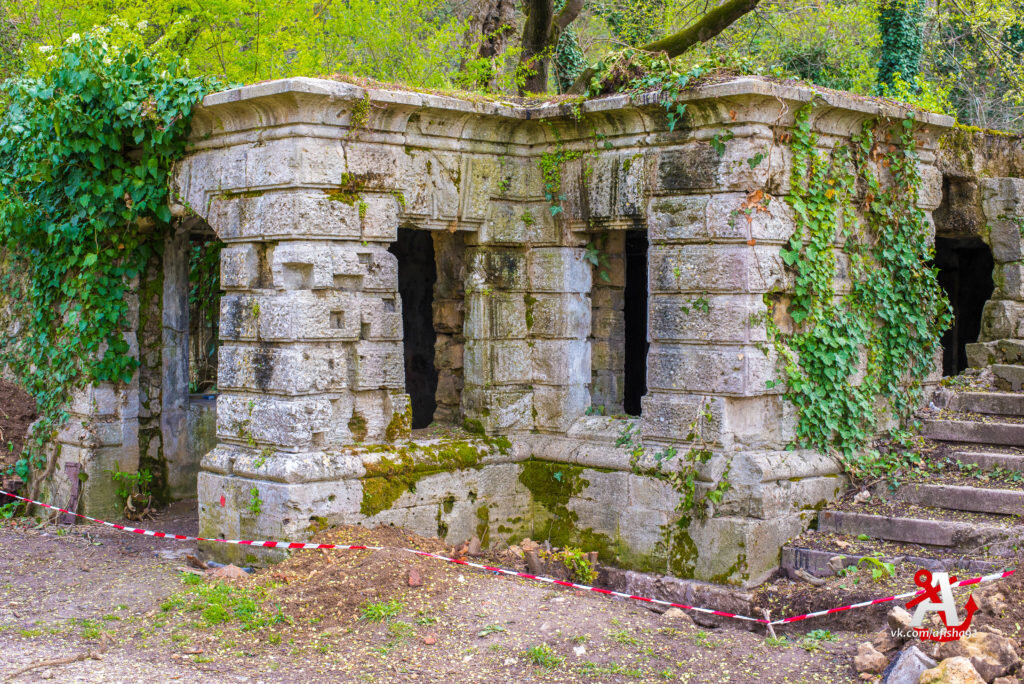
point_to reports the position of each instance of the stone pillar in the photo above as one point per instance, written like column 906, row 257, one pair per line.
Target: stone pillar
column 608, row 326
column 311, row 359
column 559, row 324
column 101, row 436
column 181, row 469
column 449, row 313
column 1003, row 316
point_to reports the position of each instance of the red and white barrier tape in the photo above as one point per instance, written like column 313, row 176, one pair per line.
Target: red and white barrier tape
column 503, row 571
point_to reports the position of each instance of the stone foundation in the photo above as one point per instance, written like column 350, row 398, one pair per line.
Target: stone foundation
column 308, row 182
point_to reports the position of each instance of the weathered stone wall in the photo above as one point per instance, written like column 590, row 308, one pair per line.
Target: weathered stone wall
column 983, row 176
column 307, row 182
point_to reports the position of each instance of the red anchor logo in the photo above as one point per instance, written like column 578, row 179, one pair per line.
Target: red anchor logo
column 923, row 579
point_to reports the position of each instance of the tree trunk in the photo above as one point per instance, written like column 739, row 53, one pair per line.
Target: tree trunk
column 536, row 35
column 497, row 24
column 703, row 30
column 540, row 35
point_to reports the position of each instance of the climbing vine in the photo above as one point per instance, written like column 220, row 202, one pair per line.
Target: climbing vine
column 847, row 351
column 86, row 149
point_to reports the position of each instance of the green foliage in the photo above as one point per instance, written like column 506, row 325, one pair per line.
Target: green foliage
column 575, row 560
column 129, row 484
column 86, row 148
column 543, row 656
column 879, row 568
column 889, row 324
column 382, row 611
column 900, row 24
column 218, row 604
column 255, row 502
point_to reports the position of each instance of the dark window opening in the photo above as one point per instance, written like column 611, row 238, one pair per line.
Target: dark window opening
column 204, row 295
column 635, row 318
column 417, row 273
column 965, row 273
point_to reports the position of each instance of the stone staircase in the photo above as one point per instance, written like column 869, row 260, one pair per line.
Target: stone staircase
column 968, row 517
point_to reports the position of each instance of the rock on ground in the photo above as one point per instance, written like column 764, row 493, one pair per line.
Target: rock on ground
column 952, row 671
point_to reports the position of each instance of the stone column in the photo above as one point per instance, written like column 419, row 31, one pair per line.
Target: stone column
column 181, row 470
column 101, row 436
column 1003, row 208
column 311, row 358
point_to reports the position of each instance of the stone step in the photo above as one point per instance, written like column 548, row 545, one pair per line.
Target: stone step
column 953, row 534
column 816, row 561
column 977, row 432
column 1010, row 373
column 958, row 497
column 989, row 403
column 988, row 460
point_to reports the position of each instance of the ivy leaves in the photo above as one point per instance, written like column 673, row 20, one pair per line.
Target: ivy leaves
column 854, row 354
column 85, row 153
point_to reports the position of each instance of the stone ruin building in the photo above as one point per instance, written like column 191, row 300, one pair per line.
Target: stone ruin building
column 392, row 260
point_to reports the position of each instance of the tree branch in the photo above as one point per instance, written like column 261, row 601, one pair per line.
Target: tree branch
column 703, row 30
column 706, row 28
column 571, row 10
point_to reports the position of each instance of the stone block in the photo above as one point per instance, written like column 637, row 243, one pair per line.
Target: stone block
column 269, row 215
column 668, row 417
column 609, row 354
column 706, row 318
column 1006, row 240
column 764, row 422
column 497, row 362
column 378, row 365
column 294, row 369
column 557, row 407
column 748, row 163
column 742, row 551
column 449, row 315
column 678, row 219
column 448, row 353
column 494, row 268
column 557, row 315
column 286, row 422
column 561, row 362
column 703, row 268
column 378, row 216
column 498, row 410
column 929, row 192
column 720, row 370
column 380, row 317
column 1009, row 281
column 517, row 223
column 1002, row 197
column 495, row 316
column 608, row 324
column 239, row 267
column 1001, row 318
column 558, row 269
column 733, row 216
column 301, row 266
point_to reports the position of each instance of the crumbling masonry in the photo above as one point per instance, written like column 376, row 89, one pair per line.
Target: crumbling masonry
column 555, row 232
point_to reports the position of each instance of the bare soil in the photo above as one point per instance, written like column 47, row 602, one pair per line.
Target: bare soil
column 17, row 412
column 88, row 589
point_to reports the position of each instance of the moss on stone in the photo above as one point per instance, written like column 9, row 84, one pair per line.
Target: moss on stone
column 483, row 526
column 529, row 301
column 357, row 426
column 400, row 424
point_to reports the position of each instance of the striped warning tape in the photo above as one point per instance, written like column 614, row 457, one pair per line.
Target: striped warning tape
column 503, row 571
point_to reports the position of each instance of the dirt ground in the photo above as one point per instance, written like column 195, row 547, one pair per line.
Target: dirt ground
column 341, row 616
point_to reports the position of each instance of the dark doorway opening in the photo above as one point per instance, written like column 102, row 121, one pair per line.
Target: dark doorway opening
column 635, row 319
column 417, row 273
column 965, row 273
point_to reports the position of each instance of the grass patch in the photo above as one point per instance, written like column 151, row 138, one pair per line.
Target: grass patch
column 543, row 656
column 382, row 611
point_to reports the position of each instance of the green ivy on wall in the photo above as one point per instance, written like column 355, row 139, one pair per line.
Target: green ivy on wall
column 854, row 356
column 86, row 149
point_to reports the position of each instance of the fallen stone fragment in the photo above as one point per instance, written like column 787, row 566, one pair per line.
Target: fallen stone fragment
column 952, row 671
column 1005, row 680
column 868, row 659
column 415, row 580
column 884, row 641
column 677, row 614
column 907, row 667
column 899, row 621
column 228, row 572
column 809, row 578
column 991, row 655
column 430, row 640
